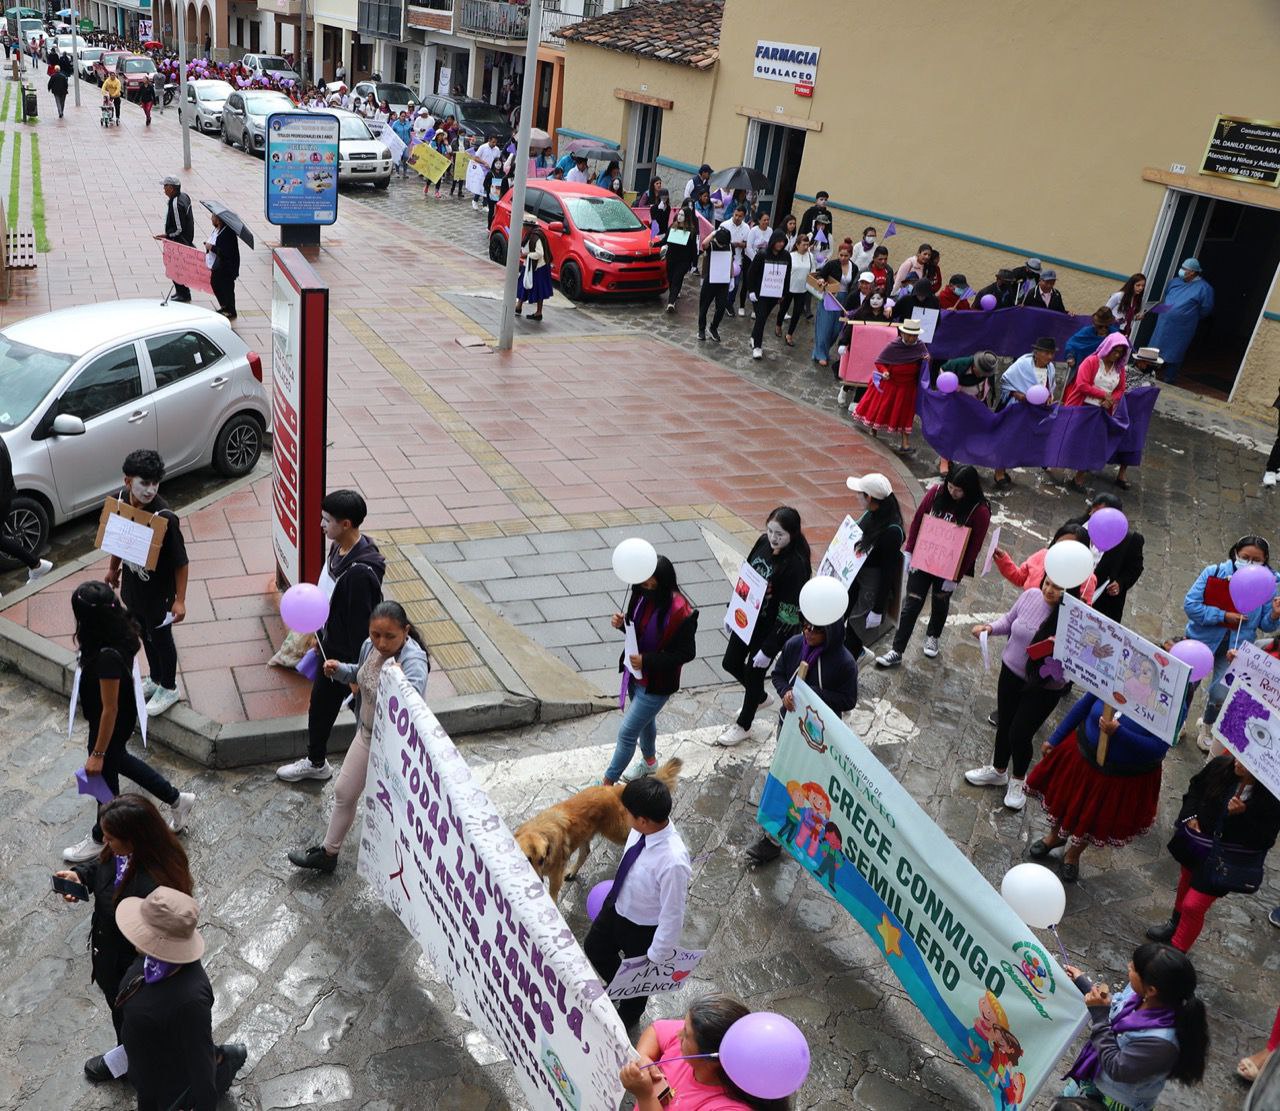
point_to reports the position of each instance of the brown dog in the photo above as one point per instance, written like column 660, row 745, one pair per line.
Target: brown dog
column 550, row 838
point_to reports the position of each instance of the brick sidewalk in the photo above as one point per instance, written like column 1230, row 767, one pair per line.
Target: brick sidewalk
column 447, row 443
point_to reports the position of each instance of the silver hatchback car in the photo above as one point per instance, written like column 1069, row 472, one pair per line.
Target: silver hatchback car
column 80, row 388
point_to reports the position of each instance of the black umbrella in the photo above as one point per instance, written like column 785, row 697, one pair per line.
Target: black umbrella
column 223, row 213
column 738, row 177
column 593, row 151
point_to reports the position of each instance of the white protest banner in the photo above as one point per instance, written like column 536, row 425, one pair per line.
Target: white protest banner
column 843, row 561
column 928, row 322
column 127, row 540
column 744, row 607
column 992, row 993
column 440, row 856
column 1249, row 721
column 773, row 280
column 641, row 976
column 719, row 267
column 1122, row 669
column 476, row 170
column 389, row 139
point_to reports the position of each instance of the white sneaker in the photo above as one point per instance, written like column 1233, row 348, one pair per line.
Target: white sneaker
column 162, row 700
column 742, row 312
column 475, row 206
column 671, row 308
column 842, row 398
column 149, row 687
column 1015, row 798
column 82, row 851
column 45, row 566
column 182, row 811
column 757, row 352
column 891, row 658
column 304, row 769
column 734, row 735
column 986, row 776
column 1269, row 479
column 640, row 767
column 930, row 648
column 1204, row 737
column 853, row 407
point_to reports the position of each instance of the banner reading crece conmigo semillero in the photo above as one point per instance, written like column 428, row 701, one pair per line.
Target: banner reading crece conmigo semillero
column 990, row 990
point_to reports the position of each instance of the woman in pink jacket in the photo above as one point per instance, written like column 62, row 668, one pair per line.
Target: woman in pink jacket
column 1100, row 381
column 1030, row 573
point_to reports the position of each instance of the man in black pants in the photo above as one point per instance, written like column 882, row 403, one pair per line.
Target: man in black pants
column 179, row 225
column 10, row 545
column 352, row 577
column 158, row 598
column 643, row 914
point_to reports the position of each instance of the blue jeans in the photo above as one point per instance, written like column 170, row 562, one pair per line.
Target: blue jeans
column 1217, row 688
column 826, row 327
column 639, row 723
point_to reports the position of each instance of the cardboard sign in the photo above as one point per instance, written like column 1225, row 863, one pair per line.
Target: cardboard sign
column 185, row 265
column 719, row 267
column 1249, row 721
column 678, row 236
column 133, row 535
column 1142, row 681
column 866, row 341
column 640, row 976
column 428, row 162
column 773, row 280
column 744, row 607
column 940, row 547
column 460, row 160
column 928, row 322
column 392, row 142
column 843, row 561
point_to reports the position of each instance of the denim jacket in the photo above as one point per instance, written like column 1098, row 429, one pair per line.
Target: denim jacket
column 1205, row 622
column 413, row 662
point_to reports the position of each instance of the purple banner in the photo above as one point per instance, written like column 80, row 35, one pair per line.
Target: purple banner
column 1079, row 437
column 1009, row 332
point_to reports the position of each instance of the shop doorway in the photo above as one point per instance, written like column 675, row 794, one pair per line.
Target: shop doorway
column 1239, row 247
column 644, row 141
column 776, row 152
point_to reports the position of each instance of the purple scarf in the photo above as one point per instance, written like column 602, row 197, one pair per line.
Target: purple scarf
column 1129, row 1017
column 154, row 969
column 122, row 863
column 900, row 354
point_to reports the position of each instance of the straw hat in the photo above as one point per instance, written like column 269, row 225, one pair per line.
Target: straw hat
column 162, row 925
column 909, row 327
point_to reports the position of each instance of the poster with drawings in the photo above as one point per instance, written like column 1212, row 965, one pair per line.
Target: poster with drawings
column 1249, row 722
column 1140, row 680
column 843, row 561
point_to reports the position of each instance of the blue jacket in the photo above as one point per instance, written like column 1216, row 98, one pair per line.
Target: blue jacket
column 833, row 675
column 1204, row 623
column 1130, row 747
column 413, row 662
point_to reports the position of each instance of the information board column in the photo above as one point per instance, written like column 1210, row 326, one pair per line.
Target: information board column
column 301, row 174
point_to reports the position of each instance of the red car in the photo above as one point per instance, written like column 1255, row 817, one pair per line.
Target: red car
column 106, row 63
column 134, row 71
column 598, row 245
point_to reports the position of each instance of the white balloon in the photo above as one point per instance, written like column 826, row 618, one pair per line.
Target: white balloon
column 823, row 600
column 1068, row 563
column 634, row 560
column 1035, row 894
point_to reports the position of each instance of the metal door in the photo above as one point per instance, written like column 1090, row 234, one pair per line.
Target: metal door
column 646, row 141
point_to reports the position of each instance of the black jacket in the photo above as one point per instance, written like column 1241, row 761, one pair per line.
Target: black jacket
column 661, row 668
column 1035, row 301
column 1207, row 795
column 779, row 618
column 58, row 84
column 179, row 223
column 1121, row 564
column 111, row 953
column 1004, row 295
column 810, row 215
column 357, row 589
column 226, row 256
column 146, row 93
column 833, row 675
column 167, row 1031
column 755, row 272
column 6, row 476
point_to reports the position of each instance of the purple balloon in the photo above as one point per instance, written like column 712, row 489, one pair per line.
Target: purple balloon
column 1107, row 527
column 1197, row 656
column 765, row 1055
column 304, row 608
column 1038, row 394
column 988, row 301
column 948, row 382
column 596, row 897
column 1251, row 587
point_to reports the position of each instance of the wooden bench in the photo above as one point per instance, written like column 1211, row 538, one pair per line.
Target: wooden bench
column 19, row 252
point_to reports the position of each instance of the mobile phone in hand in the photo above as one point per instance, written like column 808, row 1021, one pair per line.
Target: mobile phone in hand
column 1084, row 984
column 72, row 888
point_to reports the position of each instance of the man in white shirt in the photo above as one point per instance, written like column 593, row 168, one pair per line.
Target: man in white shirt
column 579, row 171
column 643, row 914
column 739, row 230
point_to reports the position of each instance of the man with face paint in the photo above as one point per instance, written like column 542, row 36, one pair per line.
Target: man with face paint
column 157, row 599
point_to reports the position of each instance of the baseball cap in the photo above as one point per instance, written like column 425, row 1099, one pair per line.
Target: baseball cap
column 873, row 485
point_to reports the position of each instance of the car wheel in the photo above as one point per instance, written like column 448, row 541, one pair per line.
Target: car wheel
column 226, row 139
column 244, row 142
column 27, row 524
column 498, row 248
column 238, row 446
column 571, row 281
column 382, row 184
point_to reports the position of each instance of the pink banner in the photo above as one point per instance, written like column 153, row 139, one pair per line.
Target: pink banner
column 865, row 345
column 185, row 265
column 705, row 227
column 939, row 548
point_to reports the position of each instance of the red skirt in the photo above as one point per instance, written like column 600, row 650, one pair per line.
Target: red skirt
column 890, row 407
column 1101, row 809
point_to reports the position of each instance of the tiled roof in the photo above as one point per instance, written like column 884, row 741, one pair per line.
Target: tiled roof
column 683, row 32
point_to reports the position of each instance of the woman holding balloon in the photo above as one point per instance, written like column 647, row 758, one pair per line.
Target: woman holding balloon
column 1230, row 602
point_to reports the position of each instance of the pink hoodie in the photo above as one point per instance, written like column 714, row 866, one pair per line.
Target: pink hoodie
column 1031, row 573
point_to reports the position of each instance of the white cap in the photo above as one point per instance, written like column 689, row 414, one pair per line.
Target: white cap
column 873, row 485
column 867, row 276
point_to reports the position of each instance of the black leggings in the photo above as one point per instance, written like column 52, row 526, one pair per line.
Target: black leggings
column 798, row 303
column 764, row 310
column 919, row 584
column 737, row 662
column 1020, row 712
column 677, row 268
column 119, row 761
column 12, row 548
column 327, row 698
column 718, row 293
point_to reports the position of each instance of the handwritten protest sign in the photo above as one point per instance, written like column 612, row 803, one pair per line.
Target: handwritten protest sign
column 745, row 603
column 185, row 265
column 773, row 280
column 439, row 855
column 1142, row 681
column 979, row 976
column 928, row 323
column 843, row 561
column 640, row 976
column 939, row 547
column 130, row 534
column 1249, row 722
column 429, row 162
column 476, row 171
column 393, row 143
column 460, row 160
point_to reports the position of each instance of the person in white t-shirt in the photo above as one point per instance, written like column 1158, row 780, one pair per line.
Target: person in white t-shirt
column 579, row 172
column 738, row 230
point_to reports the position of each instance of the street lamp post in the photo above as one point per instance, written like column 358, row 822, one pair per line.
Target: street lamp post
column 182, row 83
column 515, row 226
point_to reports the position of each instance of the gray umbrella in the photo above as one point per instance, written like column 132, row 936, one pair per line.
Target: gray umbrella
column 223, row 213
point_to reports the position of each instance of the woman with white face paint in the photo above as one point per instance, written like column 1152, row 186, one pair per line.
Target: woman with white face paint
column 781, row 557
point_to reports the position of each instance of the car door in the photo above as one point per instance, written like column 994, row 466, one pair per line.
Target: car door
column 233, row 117
column 550, row 210
column 190, row 115
column 193, row 385
column 107, row 395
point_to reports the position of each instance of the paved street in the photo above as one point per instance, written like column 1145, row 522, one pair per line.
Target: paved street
column 614, row 408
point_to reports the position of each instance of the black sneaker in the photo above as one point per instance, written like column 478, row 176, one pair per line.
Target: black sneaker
column 234, row 1055
column 715, row 335
column 314, row 857
column 764, row 851
column 95, row 1068
column 702, row 337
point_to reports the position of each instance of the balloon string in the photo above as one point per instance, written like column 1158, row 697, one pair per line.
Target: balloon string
column 690, row 1057
column 1061, row 948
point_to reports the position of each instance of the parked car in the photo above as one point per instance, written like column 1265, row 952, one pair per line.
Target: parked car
column 399, row 97
column 203, row 109
column 88, row 59
column 269, row 65
column 598, row 245
column 475, row 117
column 64, row 44
column 106, row 63
column 134, row 71
column 80, row 388
column 361, row 157
column 244, row 117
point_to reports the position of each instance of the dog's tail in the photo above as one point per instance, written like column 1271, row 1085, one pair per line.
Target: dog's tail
column 670, row 772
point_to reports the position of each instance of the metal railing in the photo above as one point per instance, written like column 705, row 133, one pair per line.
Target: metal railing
column 495, row 19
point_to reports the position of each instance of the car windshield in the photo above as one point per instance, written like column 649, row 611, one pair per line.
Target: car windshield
column 602, row 214
column 271, row 61
column 215, row 92
column 263, row 104
column 395, row 94
column 27, row 374
column 90, row 55
column 139, row 65
column 485, row 117
column 353, row 127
